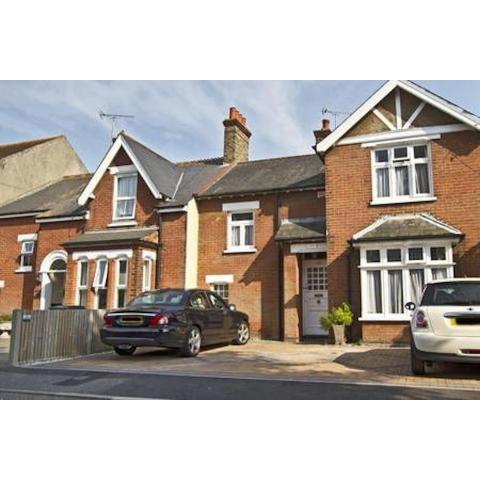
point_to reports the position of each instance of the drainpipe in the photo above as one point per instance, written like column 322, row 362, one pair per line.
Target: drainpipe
column 158, row 275
column 281, row 316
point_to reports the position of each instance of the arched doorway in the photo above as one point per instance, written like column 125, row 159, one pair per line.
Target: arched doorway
column 53, row 271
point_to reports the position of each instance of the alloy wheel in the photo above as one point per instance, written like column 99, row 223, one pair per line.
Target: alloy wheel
column 194, row 341
column 243, row 333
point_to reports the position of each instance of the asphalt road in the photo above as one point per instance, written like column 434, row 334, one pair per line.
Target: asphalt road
column 50, row 383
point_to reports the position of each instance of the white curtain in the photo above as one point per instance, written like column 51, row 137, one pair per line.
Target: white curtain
column 422, row 184
column 127, row 186
column 235, row 236
column 374, row 292
column 401, row 179
column 439, row 273
column 383, row 185
column 417, row 282
column 396, row 291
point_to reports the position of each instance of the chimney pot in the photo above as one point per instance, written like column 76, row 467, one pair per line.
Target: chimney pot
column 326, row 124
column 324, row 132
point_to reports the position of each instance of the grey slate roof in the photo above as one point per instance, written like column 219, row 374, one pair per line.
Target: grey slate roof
column 285, row 173
column 58, row 199
column 302, row 229
column 110, row 236
column 163, row 173
column 405, row 227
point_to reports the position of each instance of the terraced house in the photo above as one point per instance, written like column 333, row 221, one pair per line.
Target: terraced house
column 237, row 226
column 386, row 203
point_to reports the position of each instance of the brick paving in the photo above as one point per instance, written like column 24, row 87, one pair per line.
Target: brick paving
column 260, row 359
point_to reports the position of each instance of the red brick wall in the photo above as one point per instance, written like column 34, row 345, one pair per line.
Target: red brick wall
column 101, row 207
column 173, row 250
column 456, row 167
column 255, row 287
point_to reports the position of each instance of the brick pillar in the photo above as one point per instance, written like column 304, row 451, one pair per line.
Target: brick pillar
column 292, row 297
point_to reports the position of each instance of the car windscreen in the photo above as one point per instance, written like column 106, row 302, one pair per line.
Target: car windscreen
column 165, row 297
column 452, row 293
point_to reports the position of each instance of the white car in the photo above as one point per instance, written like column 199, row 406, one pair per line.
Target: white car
column 446, row 325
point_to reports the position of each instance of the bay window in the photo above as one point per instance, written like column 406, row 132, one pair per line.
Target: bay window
column 82, row 283
column 402, row 174
column 122, row 282
column 100, row 283
column 392, row 275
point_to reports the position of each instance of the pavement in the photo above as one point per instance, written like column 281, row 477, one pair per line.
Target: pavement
column 259, row 370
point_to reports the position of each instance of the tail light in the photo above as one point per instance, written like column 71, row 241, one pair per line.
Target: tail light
column 107, row 319
column 419, row 319
column 158, row 319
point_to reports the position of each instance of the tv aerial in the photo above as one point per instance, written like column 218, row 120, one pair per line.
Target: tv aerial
column 113, row 118
column 334, row 114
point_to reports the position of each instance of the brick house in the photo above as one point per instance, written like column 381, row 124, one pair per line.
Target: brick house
column 237, row 226
column 401, row 203
column 377, row 209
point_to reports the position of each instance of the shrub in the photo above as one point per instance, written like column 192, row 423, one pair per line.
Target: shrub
column 341, row 315
column 5, row 318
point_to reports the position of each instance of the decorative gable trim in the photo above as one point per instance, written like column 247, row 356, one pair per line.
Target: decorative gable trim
column 107, row 160
column 467, row 121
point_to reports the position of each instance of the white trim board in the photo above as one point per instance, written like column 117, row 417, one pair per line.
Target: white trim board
column 209, row 279
column 27, row 237
column 61, row 219
column 240, row 206
column 379, row 95
column 102, row 168
column 96, row 254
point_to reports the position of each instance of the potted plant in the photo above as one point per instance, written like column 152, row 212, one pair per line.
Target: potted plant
column 336, row 320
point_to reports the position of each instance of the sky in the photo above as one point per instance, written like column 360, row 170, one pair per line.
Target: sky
column 182, row 120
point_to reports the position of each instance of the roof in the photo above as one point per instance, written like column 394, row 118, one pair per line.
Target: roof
column 109, row 236
column 163, row 173
column 427, row 96
column 8, row 149
column 284, row 173
column 405, row 227
column 58, row 199
column 302, row 229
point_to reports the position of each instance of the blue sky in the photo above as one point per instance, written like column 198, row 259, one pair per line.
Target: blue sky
column 182, row 120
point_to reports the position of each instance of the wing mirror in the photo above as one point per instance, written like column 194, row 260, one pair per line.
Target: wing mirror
column 410, row 306
column 232, row 307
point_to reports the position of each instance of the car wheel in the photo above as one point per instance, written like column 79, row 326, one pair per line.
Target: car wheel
column 193, row 343
column 127, row 350
column 243, row 333
column 417, row 365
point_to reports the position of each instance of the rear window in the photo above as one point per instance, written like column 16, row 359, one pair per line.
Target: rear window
column 166, row 297
column 452, row 293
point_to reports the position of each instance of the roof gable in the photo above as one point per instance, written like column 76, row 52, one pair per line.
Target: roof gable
column 394, row 121
column 155, row 176
column 8, row 149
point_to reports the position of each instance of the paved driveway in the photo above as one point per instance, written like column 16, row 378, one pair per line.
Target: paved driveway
column 261, row 359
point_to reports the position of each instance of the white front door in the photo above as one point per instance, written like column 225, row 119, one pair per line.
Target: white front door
column 315, row 295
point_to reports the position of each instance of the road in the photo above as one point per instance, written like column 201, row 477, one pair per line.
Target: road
column 48, row 383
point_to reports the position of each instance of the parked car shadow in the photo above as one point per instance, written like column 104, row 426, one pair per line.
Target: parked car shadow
column 396, row 361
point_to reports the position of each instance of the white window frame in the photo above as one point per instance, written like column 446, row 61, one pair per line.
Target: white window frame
column 80, row 287
column 411, row 164
column 116, row 198
column 405, row 266
column 97, row 281
column 120, row 286
column 147, row 279
column 221, row 284
column 24, row 253
column 242, row 224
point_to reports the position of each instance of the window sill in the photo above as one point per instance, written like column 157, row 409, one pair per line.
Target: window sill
column 399, row 201
column 399, row 318
column 123, row 223
column 24, row 270
column 229, row 251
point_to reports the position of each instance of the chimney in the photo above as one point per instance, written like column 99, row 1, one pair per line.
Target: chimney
column 324, row 132
column 236, row 138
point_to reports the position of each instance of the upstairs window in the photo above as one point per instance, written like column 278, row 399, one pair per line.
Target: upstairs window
column 402, row 174
column 125, row 195
column 26, row 255
column 241, row 231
